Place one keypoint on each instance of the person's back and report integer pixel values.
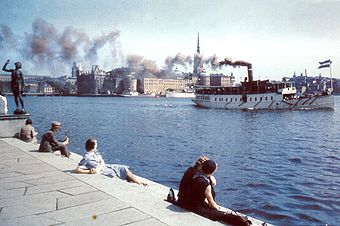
(184, 186)
(186, 181)
(47, 141)
(27, 133)
(202, 200)
(196, 196)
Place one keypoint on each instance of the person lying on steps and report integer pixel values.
(92, 163)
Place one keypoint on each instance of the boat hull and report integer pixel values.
(265, 101)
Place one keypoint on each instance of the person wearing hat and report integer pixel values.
(17, 85)
(27, 132)
(202, 199)
(50, 144)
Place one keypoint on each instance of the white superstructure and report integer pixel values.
(260, 95)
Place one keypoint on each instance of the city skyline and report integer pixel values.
(278, 38)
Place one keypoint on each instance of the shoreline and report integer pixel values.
(145, 202)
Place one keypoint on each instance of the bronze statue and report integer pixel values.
(17, 85)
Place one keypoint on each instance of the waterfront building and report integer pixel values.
(90, 82)
(32, 83)
(159, 86)
(336, 86)
(313, 84)
(114, 82)
(71, 85)
(76, 67)
(130, 83)
(109, 85)
(222, 80)
(204, 79)
(46, 89)
(31, 87)
(5, 78)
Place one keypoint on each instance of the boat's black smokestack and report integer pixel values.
(250, 73)
(228, 61)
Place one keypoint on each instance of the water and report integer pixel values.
(279, 166)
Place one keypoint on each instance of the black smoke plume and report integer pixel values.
(179, 59)
(7, 39)
(143, 67)
(47, 51)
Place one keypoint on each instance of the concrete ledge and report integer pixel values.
(11, 124)
(67, 198)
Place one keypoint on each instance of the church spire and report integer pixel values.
(198, 42)
(198, 58)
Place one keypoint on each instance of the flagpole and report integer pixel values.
(328, 63)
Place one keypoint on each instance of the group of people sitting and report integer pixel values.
(91, 163)
(48, 142)
(196, 189)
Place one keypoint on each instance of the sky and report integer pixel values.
(279, 38)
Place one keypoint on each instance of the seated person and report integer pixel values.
(50, 144)
(200, 199)
(184, 186)
(27, 132)
(186, 181)
(92, 163)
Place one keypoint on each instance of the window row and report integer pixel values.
(248, 99)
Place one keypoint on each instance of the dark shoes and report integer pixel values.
(17, 111)
(171, 196)
(20, 111)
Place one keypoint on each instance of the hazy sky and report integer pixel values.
(277, 37)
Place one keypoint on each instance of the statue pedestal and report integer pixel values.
(11, 124)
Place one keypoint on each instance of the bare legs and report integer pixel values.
(131, 178)
(18, 98)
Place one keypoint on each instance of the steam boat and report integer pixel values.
(259, 95)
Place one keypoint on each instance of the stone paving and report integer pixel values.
(42, 189)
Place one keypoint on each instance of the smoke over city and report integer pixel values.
(178, 60)
(47, 51)
(142, 67)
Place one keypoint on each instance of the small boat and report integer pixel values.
(130, 94)
(183, 94)
(260, 94)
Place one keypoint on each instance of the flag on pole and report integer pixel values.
(326, 63)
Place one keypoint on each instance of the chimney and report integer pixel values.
(250, 73)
